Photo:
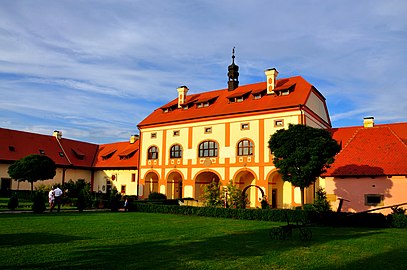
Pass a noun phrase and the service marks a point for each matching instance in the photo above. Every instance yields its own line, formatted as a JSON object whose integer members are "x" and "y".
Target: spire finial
{"x": 233, "y": 55}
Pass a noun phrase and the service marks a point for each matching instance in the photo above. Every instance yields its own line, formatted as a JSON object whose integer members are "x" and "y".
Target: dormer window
{"x": 61, "y": 154}
{"x": 257, "y": 96}
{"x": 42, "y": 152}
{"x": 185, "y": 107}
{"x": 239, "y": 99}
{"x": 285, "y": 92}
{"x": 166, "y": 110}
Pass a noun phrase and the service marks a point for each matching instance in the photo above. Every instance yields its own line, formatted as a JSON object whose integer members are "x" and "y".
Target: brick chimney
{"x": 134, "y": 138}
{"x": 182, "y": 95}
{"x": 57, "y": 134}
{"x": 368, "y": 122}
{"x": 271, "y": 75}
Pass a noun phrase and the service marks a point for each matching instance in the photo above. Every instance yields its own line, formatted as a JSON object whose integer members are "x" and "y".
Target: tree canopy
{"x": 302, "y": 153}
{"x": 33, "y": 168}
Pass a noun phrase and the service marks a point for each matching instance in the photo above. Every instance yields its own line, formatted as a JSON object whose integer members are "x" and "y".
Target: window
{"x": 61, "y": 154}
{"x": 278, "y": 123}
{"x": 373, "y": 199}
{"x": 208, "y": 130}
{"x": 123, "y": 189}
{"x": 42, "y": 152}
{"x": 185, "y": 107}
{"x": 239, "y": 99}
{"x": 175, "y": 133}
{"x": 245, "y": 148}
{"x": 133, "y": 177}
{"x": 153, "y": 135}
{"x": 11, "y": 148}
{"x": 153, "y": 152}
{"x": 244, "y": 126}
{"x": 257, "y": 96}
{"x": 208, "y": 149}
{"x": 176, "y": 151}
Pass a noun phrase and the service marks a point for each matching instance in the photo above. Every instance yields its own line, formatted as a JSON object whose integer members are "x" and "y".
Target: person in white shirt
{"x": 51, "y": 199}
{"x": 58, "y": 197}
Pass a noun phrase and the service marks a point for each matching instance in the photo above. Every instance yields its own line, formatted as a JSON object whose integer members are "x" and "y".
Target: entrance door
{"x": 5, "y": 188}
{"x": 274, "y": 198}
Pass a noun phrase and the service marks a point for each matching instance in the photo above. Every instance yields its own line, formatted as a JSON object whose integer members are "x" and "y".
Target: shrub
{"x": 115, "y": 198}
{"x": 398, "y": 221}
{"x": 13, "y": 202}
{"x": 39, "y": 202}
{"x": 157, "y": 196}
{"x": 211, "y": 195}
{"x": 81, "y": 203}
{"x": 321, "y": 203}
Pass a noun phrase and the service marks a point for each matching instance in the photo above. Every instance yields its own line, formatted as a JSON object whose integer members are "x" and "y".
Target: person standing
{"x": 58, "y": 197}
{"x": 51, "y": 199}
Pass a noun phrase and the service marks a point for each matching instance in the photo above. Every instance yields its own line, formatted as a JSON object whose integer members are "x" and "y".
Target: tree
{"x": 211, "y": 195}
{"x": 33, "y": 168}
{"x": 302, "y": 153}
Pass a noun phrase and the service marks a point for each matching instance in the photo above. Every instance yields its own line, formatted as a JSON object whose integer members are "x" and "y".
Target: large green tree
{"x": 302, "y": 153}
{"x": 33, "y": 168}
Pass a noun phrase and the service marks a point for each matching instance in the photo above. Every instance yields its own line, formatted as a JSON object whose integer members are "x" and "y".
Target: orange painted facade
{"x": 223, "y": 121}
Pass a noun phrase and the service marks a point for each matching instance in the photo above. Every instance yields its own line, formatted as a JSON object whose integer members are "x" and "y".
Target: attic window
{"x": 176, "y": 133}
{"x": 78, "y": 153}
{"x": 185, "y": 107}
{"x": 11, "y": 148}
{"x": 208, "y": 130}
{"x": 153, "y": 135}
{"x": 61, "y": 154}
{"x": 166, "y": 110}
{"x": 278, "y": 123}
{"x": 108, "y": 155}
{"x": 285, "y": 92}
{"x": 244, "y": 126}
{"x": 42, "y": 152}
{"x": 257, "y": 96}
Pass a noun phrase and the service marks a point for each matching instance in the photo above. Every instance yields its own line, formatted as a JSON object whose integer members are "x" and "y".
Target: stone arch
{"x": 247, "y": 178}
{"x": 174, "y": 184}
{"x": 203, "y": 178}
{"x": 150, "y": 183}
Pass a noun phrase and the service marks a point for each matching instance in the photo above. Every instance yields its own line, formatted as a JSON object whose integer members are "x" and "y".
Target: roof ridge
{"x": 398, "y": 138}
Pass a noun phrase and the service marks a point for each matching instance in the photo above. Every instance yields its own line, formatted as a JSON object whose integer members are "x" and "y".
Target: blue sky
{"x": 95, "y": 69}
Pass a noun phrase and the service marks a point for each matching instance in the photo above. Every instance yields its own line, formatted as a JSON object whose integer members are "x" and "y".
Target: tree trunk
{"x": 302, "y": 197}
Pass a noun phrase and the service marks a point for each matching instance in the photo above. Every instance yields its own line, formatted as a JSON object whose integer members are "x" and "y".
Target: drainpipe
{"x": 301, "y": 121}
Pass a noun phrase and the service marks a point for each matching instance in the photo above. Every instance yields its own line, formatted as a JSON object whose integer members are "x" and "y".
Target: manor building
{"x": 223, "y": 135}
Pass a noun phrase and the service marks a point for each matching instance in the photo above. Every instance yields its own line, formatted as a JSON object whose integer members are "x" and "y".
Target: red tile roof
{"x": 26, "y": 143}
{"x": 380, "y": 150}
{"x": 117, "y": 155}
{"x": 300, "y": 90}
{"x": 64, "y": 152}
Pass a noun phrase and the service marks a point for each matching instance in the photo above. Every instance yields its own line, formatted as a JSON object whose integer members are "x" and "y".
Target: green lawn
{"x": 105, "y": 240}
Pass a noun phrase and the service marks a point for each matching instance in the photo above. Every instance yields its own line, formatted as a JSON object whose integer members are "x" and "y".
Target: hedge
{"x": 277, "y": 215}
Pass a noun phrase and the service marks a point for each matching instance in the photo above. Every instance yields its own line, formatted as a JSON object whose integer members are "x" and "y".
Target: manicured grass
{"x": 106, "y": 240}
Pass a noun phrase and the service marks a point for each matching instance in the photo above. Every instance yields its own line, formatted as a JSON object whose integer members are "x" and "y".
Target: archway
{"x": 203, "y": 179}
{"x": 174, "y": 185}
{"x": 275, "y": 190}
{"x": 244, "y": 180}
{"x": 151, "y": 183}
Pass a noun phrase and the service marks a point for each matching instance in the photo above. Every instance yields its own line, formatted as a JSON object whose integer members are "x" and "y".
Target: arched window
{"x": 245, "y": 148}
{"x": 153, "y": 152}
{"x": 176, "y": 151}
{"x": 208, "y": 149}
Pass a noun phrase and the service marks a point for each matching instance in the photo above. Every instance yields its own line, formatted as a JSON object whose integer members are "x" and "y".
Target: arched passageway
{"x": 244, "y": 179}
{"x": 203, "y": 179}
{"x": 275, "y": 190}
{"x": 151, "y": 183}
{"x": 174, "y": 186}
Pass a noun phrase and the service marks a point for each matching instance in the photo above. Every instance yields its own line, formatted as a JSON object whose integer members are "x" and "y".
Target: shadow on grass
{"x": 177, "y": 253}
{"x": 22, "y": 239}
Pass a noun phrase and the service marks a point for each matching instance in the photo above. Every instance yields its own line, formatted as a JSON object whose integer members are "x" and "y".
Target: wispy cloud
{"x": 100, "y": 67}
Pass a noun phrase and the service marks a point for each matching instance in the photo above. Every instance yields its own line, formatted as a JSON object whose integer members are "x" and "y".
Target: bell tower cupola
{"x": 233, "y": 73}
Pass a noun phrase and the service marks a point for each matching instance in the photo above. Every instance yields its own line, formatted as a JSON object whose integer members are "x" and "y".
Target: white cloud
{"x": 105, "y": 65}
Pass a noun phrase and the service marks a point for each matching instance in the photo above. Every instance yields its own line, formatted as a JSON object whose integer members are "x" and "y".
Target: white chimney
{"x": 57, "y": 134}
{"x": 368, "y": 122}
{"x": 134, "y": 138}
{"x": 182, "y": 95}
{"x": 271, "y": 75}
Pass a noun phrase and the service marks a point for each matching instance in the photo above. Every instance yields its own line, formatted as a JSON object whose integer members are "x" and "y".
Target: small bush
{"x": 157, "y": 196}
{"x": 38, "y": 206}
{"x": 81, "y": 203}
{"x": 398, "y": 220}
{"x": 321, "y": 203}
{"x": 13, "y": 202}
